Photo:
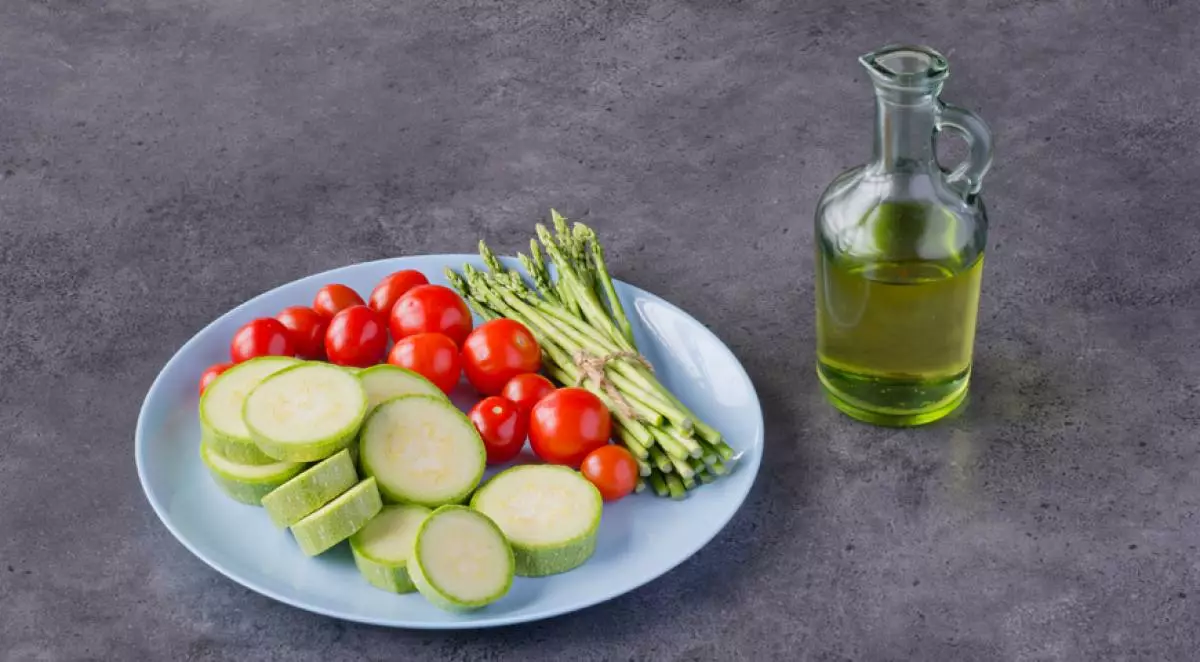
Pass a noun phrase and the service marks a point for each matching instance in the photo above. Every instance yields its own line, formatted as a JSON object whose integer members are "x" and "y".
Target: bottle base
{"x": 893, "y": 402}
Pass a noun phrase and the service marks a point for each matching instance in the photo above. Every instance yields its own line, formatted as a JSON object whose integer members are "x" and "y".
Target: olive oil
{"x": 895, "y": 338}
{"x": 900, "y": 246}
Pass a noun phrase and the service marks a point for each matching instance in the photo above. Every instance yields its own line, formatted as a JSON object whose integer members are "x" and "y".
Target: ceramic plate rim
{"x": 753, "y": 465}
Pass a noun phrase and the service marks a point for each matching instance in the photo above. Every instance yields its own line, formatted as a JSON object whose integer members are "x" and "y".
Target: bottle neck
{"x": 904, "y": 129}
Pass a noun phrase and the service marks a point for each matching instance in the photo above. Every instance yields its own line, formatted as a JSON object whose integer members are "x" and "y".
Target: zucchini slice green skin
{"x": 290, "y": 435}
{"x": 395, "y": 527}
{"x": 309, "y": 490}
{"x": 433, "y": 588}
{"x": 227, "y": 434}
{"x": 236, "y": 450}
{"x": 339, "y": 519}
{"x": 396, "y": 448}
{"x": 540, "y": 558}
{"x": 247, "y": 483}
{"x": 386, "y": 381}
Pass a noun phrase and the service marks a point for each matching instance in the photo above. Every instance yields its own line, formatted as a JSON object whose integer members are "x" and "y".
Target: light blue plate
{"x": 641, "y": 536}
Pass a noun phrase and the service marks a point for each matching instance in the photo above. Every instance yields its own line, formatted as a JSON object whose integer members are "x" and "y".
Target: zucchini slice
{"x": 386, "y": 381}
{"x": 339, "y": 519}
{"x": 382, "y": 547}
{"x": 549, "y": 513}
{"x": 309, "y": 490}
{"x": 221, "y": 426}
{"x": 306, "y": 412}
{"x": 460, "y": 559}
{"x": 422, "y": 450}
{"x": 247, "y": 483}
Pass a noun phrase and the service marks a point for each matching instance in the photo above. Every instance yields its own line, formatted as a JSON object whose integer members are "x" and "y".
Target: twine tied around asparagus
{"x": 591, "y": 367}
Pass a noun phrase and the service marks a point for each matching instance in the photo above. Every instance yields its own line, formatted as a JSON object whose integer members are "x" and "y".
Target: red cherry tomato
{"x": 501, "y": 426}
{"x": 333, "y": 299}
{"x": 389, "y": 290}
{"x": 212, "y": 373}
{"x": 612, "y": 470}
{"x": 356, "y": 337}
{"x": 496, "y": 352}
{"x": 265, "y": 336}
{"x": 567, "y": 425}
{"x": 526, "y": 390}
{"x": 431, "y": 309}
{"x": 432, "y": 355}
{"x": 307, "y": 328}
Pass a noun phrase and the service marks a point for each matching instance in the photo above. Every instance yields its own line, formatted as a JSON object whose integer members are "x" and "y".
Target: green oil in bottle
{"x": 896, "y": 323}
{"x": 900, "y": 242}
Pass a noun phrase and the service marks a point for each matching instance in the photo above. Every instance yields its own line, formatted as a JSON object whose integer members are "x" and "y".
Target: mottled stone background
{"x": 164, "y": 160}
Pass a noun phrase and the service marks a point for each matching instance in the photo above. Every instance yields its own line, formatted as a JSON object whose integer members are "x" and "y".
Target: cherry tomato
{"x": 431, "y": 309}
{"x": 389, "y": 290}
{"x": 496, "y": 352}
{"x": 265, "y": 336}
{"x": 567, "y": 425}
{"x": 307, "y": 328}
{"x": 526, "y": 390}
{"x": 433, "y": 355}
{"x": 333, "y": 299}
{"x": 209, "y": 375}
{"x": 501, "y": 426}
{"x": 356, "y": 337}
{"x": 612, "y": 470}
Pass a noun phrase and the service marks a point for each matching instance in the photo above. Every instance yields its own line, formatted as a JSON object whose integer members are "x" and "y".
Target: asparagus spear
{"x": 660, "y": 459}
{"x": 675, "y": 486}
{"x": 658, "y": 484}
{"x": 605, "y": 280}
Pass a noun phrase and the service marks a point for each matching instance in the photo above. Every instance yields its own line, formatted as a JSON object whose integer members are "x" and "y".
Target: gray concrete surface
{"x": 162, "y": 161}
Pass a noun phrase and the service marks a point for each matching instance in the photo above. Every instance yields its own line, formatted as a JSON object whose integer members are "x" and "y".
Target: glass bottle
{"x": 899, "y": 253}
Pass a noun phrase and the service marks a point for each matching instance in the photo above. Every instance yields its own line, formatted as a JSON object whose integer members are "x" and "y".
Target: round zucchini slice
{"x": 247, "y": 483}
{"x": 386, "y": 381}
{"x": 549, "y": 513}
{"x": 382, "y": 547}
{"x": 306, "y": 412}
{"x": 422, "y": 450}
{"x": 221, "y": 426}
{"x": 460, "y": 559}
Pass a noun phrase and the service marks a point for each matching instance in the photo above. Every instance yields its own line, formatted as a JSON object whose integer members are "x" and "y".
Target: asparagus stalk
{"x": 669, "y": 444}
{"x": 610, "y": 292}
{"x": 659, "y": 485}
{"x": 480, "y": 308}
{"x": 631, "y": 441}
{"x": 570, "y": 246}
{"x": 590, "y": 307}
{"x": 683, "y": 468}
{"x": 686, "y": 441}
{"x": 490, "y": 260}
{"x": 535, "y": 264}
{"x": 660, "y": 459}
{"x": 675, "y": 486}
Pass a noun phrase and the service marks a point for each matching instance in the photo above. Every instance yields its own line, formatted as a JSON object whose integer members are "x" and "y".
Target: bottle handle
{"x": 967, "y": 177}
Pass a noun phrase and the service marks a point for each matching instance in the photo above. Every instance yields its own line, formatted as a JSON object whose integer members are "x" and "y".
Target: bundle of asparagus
{"x": 587, "y": 341}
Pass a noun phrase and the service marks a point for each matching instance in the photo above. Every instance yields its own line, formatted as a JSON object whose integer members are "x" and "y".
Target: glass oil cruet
{"x": 899, "y": 253}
